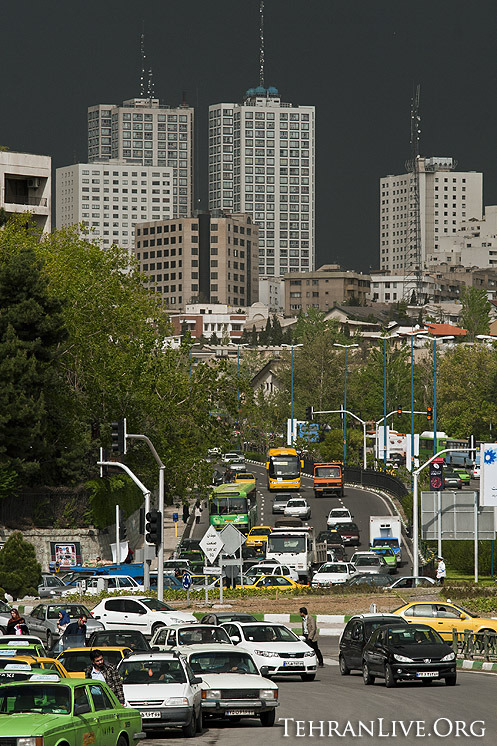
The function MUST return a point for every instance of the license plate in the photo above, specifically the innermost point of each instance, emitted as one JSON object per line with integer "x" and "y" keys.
{"x": 240, "y": 712}
{"x": 427, "y": 674}
{"x": 293, "y": 664}
{"x": 150, "y": 714}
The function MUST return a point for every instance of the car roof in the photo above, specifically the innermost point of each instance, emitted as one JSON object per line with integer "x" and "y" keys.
{"x": 212, "y": 647}
{"x": 103, "y": 648}
{"x": 258, "y": 624}
{"x": 372, "y": 617}
{"x": 190, "y": 626}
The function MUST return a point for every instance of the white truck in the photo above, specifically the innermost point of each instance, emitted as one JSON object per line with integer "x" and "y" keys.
{"x": 386, "y": 530}
{"x": 296, "y": 548}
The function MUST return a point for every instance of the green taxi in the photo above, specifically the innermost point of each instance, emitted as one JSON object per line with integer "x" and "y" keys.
{"x": 19, "y": 646}
{"x": 463, "y": 475}
{"x": 49, "y": 711}
{"x": 388, "y": 555}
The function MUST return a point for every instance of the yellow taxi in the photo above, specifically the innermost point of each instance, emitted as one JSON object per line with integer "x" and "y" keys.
{"x": 271, "y": 582}
{"x": 77, "y": 660}
{"x": 444, "y": 617}
{"x": 257, "y": 536}
{"x": 245, "y": 477}
{"x": 49, "y": 664}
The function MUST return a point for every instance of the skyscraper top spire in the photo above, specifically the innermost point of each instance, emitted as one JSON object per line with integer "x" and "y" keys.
{"x": 146, "y": 76}
{"x": 261, "y": 44}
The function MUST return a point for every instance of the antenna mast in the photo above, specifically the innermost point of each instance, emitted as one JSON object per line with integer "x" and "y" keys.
{"x": 146, "y": 76}
{"x": 413, "y": 279}
{"x": 261, "y": 44}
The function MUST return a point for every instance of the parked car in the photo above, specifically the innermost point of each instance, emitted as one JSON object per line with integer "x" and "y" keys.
{"x": 164, "y": 689}
{"x": 451, "y": 479}
{"x": 376, "y": 581}
{"x": 43, "y": 619}
{"x": 416, "y": 653}
{"x": 120, "y": 638}
{"x": 338, "y": 515}
{"x": 280, "y": 501}
{"x": 298, "y": 507}
{"x": 350, "y": 533}
{"x": 413, "y": 581}
{"x": 332, "y": 573}
{"x": 142, "y": 613}
{"x": 355, "y": 635}
{"x": 109, "y": 583}
{"x": 232, "y": 687}
{"x": 219, "y": 617}
{"x": 268, "y": 567}
{"x": 51, "y": 585}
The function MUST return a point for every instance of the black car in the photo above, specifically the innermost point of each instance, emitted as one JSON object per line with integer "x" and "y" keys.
{"x": 413, "y": 653}
{"x": 223, "y": 617}
{"x": 120, "y": 637}
{"x": 356, "y": 634}
{"x": 378, "y": 581}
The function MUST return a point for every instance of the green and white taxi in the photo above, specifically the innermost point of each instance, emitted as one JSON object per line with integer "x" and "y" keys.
{"x": 21, "y": 645}
{"x": 49, "y": 711}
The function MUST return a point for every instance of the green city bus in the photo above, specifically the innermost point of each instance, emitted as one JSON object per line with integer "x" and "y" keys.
{"x": 233, "y": 503}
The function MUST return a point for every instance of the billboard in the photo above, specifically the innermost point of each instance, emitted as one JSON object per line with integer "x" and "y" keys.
{"x": 488, "y": 474}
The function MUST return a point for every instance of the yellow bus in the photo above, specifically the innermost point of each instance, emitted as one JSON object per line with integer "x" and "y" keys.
{"x": 283, "y": 469}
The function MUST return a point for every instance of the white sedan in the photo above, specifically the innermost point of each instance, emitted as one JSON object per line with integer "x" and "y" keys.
{"x": 298, "y": 507}
{"x": 273, "y": 568}
{"x": 276, "y": 647}
{"x": 143, "y": 613}
{"x": 339, "y": 515}
{"x": 332, "y": 573}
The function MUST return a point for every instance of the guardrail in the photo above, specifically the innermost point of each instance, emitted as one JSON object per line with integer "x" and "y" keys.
{"x": 475, "y": 645}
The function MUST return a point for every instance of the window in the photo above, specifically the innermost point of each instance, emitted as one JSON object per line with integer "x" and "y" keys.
{"x": 101, "y": 700}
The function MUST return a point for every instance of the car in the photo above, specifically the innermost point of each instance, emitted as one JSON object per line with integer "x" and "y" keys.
{"x": 120, "y": 638}
{"x": 194, "y": 556}
{"x": 354, "y": 637}
{"x": 219, "y": 617}
{"x": 21, "y": 645}
{"x": 5, "y": 610}
{"x": 47, "y": 664}
{"x": 332, "y": 573}
{"x": 43, "y": 619}
{"x": 388, "y": 555}
{"x": 475, "y": 471}
{"x": 388, "y": 541}
{"x": 350, "y": 533}
{"x": 444, "y": 617}
{"x": 142, "y": 613}
{"x": 232, "y": 686}
{"x": 109, "y": 583}
{"x": 171, "y": 582}
{"x": 66, "y": 711}
{"x": 375, "y": 581}
{"x": 279, "y": 502}
{"x": 336, "y": 553}
{"x": 16, "y": 670}
{"x": 463, "y": 475}
{"x": 274, "y": 646}
{"x": 189, "y": 542}
{"x": 217, "y": 477}
{"x": 231, "y": 457}
{"x": 257, "y": 536}
{"x": 298, "y": 507}
{"x": 452, "y": 479}
{"x": 164, "y": 689}
{"x": 245, "y": 477}
{"x": 178, "y": 635}
{"x": 50, "y": 586}
{"x": 270, "y": 567}
{"x": 412, "y": 653}
{"x": 77, "y": 660}
{"x": 270, "y": 582}
{"x": 238, "y": 466}
{"x": 330, "y": 536}
{"x": 369, "y": 562}
{"x": 178, "y": 565}
{"x": 413, "y": 581}
{"x": 338, "y": 515}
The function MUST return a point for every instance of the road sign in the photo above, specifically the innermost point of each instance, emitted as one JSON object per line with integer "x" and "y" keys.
{"x": 457, "y": 516}
{"x": 436, "y": 475}
{"x": 213, "y": 570}
{"x": 186, "y": 580}
{"x": 488, "y": 472}
{"x": 175, "y": 517}
{"x": 211, "y": 544}
{"x": 225, "y": 561}
{"x": 233, "y": 539}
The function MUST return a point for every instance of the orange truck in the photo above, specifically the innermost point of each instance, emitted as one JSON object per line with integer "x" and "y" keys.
{"x": 328, "y": 479}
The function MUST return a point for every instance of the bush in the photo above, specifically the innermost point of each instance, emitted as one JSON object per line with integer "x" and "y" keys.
{"x": 20, "y": 573}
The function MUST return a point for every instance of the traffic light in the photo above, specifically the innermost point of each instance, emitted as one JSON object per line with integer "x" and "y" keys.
{"x": 309, "y": 413}
{"x": 399, "y": 410}
{"x": 119, "y": 436}
{"x": 429, "y": 413}
{"x": 153, "y": 527}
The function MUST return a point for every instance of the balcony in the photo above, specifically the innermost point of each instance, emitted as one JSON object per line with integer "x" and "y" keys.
{"x": 28, "y": 200}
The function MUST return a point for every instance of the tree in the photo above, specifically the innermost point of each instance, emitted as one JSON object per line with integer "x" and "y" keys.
{"x": 214, "y": 340}
{"x": 276, "y": 332}
{"x": 20, "y": 573}
{"x": 475, "y": 312}
{"x": 254, "y": 341}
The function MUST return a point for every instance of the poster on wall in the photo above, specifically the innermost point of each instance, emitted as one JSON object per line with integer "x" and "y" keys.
{"x": 65, "y": 555}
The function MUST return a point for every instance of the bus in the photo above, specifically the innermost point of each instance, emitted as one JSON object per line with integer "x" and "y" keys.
{"x": 462, "y": 459}
{"x": 426, "y": 444}
{"x": 233, "y": 503}
{"x": 283, "y": 469}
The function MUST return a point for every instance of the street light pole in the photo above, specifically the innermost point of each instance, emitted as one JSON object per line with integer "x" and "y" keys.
{"x": 291, "y": 390}
{"x": 434, "y": 340}
{"x": 346, "y": 347}
{"x": 385, "y": 448}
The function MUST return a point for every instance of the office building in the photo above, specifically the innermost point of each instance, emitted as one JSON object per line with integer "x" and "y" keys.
{"x": 26, "y": 186}
{"x": 143, "y": 132}
{"x": 446, "y": 197}
{"x": 261, "y": 162}
{"x": 209, "y": 258}
{"x": 474, "y": 244}
{"x": 110, "y": 198}
{"x": 324, "y": 288}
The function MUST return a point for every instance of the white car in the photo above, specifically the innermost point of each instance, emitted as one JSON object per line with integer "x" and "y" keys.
{"x": 339, "y": 515}
{"x": 229, "y": 458}
{"x": 332, "y": 573}
{"x": 273, "y": 568}
{"x": 232, "y": 687}
{"x": 475, "y": 471}
{"x": 298, "y": 507}
{"x": 110, "y": 583}
{"x": 178, "y": 635}
{"x": 143, "y": 613}
{"x": 162, "y": 687}
{"x": 413, "y": 581}
{"x": 274, "y": 646}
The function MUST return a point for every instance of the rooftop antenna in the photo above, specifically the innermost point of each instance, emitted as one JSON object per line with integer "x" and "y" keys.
{"x": 146, "y": 75}
{"x": 413, "y": 281}
{"x": 261, "y": 43}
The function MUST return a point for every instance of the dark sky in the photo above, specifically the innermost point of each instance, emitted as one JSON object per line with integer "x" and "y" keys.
{"x": 355, "y": 60}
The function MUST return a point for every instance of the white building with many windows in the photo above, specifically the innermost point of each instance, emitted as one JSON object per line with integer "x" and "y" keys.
{"x": 142, "y": 131}
{"x": 474, "y": 245}
{"x": 261, "y": 161}
{"x": 446, "y": 197}
{"x": 110, "y": 198}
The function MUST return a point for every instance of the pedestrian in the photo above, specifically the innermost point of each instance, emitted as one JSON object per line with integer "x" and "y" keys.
{"x": 63, "y": 621}
{"x": 102, "y": 671}
{"x": 186, "y": 512}
{"x": 310, "y": 632}
{"x": 198, "y": 513}
{"x": 441, "y": 571}
{"x": 16, "y": 624}
{"x": 75, "y": 634}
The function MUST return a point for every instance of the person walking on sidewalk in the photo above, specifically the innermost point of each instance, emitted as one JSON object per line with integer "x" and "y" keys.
{"x": 310, "y": 632}
{"x": 441, "y": 571}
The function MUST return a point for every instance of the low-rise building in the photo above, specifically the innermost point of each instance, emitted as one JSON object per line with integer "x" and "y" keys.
{"x": 26, "y": 186}
{"x": 323, "y": 288}
{"x": 206, "y": 320}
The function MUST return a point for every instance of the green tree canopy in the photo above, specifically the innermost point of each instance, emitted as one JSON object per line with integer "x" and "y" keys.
{"x": 20, "y": 573}
{"x": 475, "y": 311}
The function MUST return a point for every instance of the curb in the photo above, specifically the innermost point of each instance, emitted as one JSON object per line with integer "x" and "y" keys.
{"x": 486, "y": 666}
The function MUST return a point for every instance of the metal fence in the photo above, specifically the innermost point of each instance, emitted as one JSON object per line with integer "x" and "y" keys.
{"x": 475, "y": 645}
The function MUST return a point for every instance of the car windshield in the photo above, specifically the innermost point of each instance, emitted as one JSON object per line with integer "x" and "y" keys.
{"x": 133, "y": 640}
{"x": 75, "y": 611}
{"x": 387, "y": 542}
{"x": 75, "y": 661}
{"x": 411, "y": 635}
{"x": 269, "y": 633}
{"x": 333, "y": 567}
{"x": 348, "y": 527}
{"x": 201, "y": 635}
{"x": 367, "y": 561}
{"x": 221, "y": 662}
{"x": 260, "y": 531}
{"x": 385, "y": 551}
{"x": 4, "y": 607}
{"x": 286, "y": 544}
{"x": 152, "y": 672}
{"x": 42, "y": 698}
{"x": 227, "y": 505}
{"x": 286, "y": 466}
{"x": 155, "y": 605}
{"x": 332, "y": 472}
{"x": 296, "y": 504}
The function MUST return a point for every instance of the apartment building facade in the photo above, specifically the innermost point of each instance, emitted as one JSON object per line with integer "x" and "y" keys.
{"x": 26, "y": 186}
{"x": 324, "y": 288}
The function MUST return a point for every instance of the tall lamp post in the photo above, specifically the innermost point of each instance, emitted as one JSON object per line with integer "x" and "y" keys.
{"x": 291, "y": 389}
{"x": 238, "y": 345}
{"x": 385, "y": 338}
{"x": 435, "y": 340}
{"x": 412, "y": 335}
{"x": 345, "y": 347}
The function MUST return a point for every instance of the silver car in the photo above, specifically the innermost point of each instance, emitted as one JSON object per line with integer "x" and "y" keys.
{"x": 5, "y": 610}
{"x": 370, "y": 563}
{"x": 43, "y": 620}
{"x": 280, "y": 500}
{"x": 50, "y": 586}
